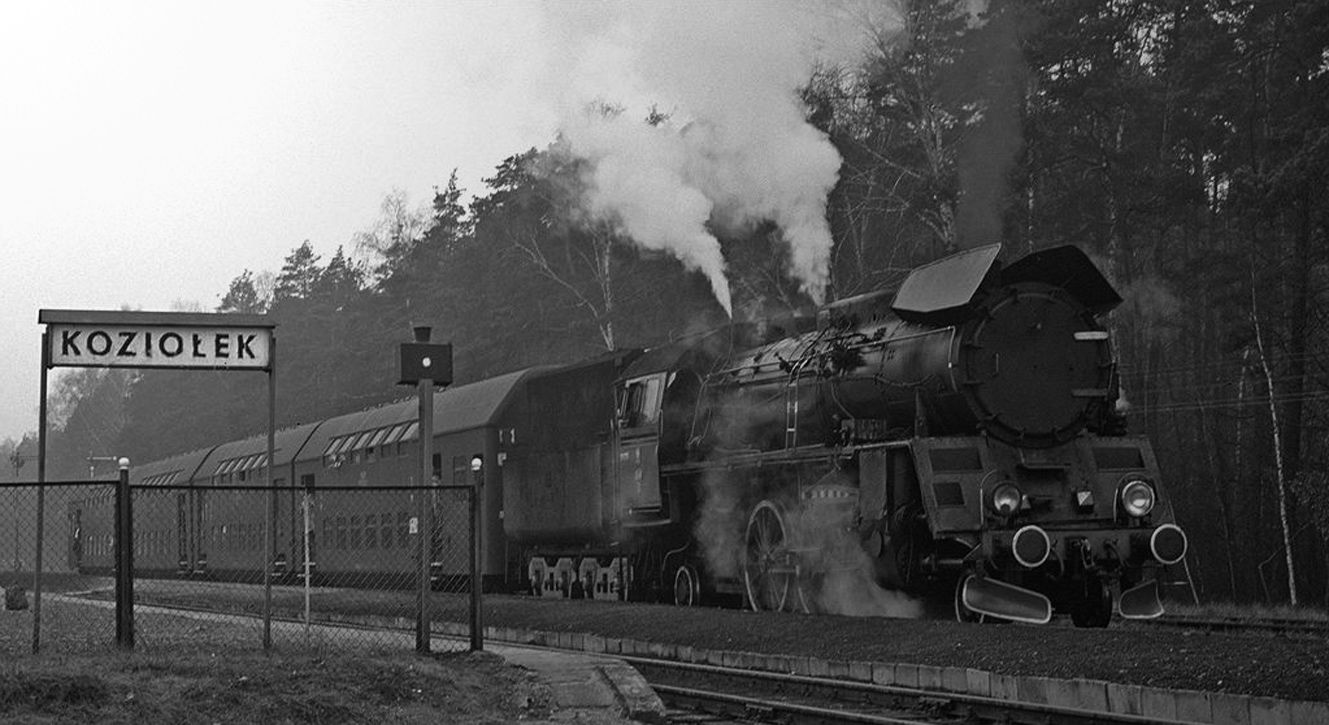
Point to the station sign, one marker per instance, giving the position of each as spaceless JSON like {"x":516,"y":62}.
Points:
{"x":157,"y":340}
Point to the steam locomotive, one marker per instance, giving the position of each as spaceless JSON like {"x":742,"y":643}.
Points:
{"x":958,"y":435}
{"x":955,"y":440}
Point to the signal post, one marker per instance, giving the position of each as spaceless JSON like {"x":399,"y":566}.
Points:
{"x":423,"y":364}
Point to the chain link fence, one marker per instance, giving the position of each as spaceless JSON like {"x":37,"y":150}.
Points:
{"x":339,"y":567}
{"x":45,"y":610}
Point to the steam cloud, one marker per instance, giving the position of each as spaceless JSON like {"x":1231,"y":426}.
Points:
{"x":839,"y":575}
{"x":735,"y":150}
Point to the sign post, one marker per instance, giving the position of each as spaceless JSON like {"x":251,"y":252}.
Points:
{"x":41,"y":502}
{"x":422,"y":365}
{"x":171,"y":340}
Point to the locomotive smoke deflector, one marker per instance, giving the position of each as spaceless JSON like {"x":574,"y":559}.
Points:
{"x":1069,"y":268}
{"x":942,"y":292}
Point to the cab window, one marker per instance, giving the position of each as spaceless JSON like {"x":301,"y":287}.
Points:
{"x":639,"y":405}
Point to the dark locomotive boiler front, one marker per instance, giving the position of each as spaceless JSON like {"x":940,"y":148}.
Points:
{"x":1043,"y":504}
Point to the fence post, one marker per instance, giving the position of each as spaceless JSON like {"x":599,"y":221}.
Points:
{"x":477,"y":490}
{"x":124,"y":559}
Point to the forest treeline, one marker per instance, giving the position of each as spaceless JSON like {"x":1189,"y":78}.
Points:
{"x":1184,"y":145}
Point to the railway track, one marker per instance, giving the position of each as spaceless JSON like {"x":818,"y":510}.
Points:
{"x":749,"y":696}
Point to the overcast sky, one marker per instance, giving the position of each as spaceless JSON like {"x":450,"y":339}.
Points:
{"x":152,"y":151}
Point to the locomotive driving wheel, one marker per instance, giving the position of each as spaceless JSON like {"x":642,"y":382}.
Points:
{"x":770,"y":567}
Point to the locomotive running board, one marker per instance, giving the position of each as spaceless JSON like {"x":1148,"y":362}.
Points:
{"x":1141,"y":602}
{"x":1007,"y":601}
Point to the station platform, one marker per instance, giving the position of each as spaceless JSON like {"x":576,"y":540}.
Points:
{"x":587,"y":688}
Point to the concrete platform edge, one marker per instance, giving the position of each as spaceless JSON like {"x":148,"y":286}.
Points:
{"x":1187,"y":706}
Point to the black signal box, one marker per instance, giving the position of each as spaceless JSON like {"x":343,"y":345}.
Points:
{"x":425,"y":361}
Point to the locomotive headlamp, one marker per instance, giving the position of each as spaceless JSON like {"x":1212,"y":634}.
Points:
{"x":477,"y":462}
{"x":1137,"y":498}
{"x":1006,"y":499}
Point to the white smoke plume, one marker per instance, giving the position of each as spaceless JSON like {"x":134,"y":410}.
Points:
{"x":735,"y":150}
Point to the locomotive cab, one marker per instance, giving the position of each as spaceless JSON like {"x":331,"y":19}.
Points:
{"x":638,"y":470}
{"x":657,"y":402}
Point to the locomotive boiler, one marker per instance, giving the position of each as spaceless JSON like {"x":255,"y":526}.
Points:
{"x":956,"y":435}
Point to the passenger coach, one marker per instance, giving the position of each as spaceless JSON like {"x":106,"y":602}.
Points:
{"x":202,"y":514}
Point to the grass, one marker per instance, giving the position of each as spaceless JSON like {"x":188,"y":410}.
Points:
{"x":190,"y":687}
{"x":191,"y":670}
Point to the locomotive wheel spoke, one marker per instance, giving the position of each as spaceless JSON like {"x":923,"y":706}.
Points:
{"x":768,"y":574}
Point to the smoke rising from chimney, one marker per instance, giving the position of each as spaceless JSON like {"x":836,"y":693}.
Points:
{"x":735,"y":149}
{"x":992,"y":73}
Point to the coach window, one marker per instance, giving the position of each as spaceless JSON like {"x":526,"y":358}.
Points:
{"x":371,"y":531}
{"x":371,"y":448}
{"x":357,"y":448}
{"x":341,"y":533}
{"x":390,"y":440}
{"x":344,"y":448}
{"x":385,"y":531}
{"x":355,"y":532}
{"x":412,"y":431}
{"x":403,"y":529}
{"x":330,"y":453}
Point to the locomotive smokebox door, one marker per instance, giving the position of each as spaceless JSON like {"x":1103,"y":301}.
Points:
{"x":425,"y":361}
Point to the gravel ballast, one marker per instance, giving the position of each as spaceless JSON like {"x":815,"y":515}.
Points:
{"x":1264,"y":665}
